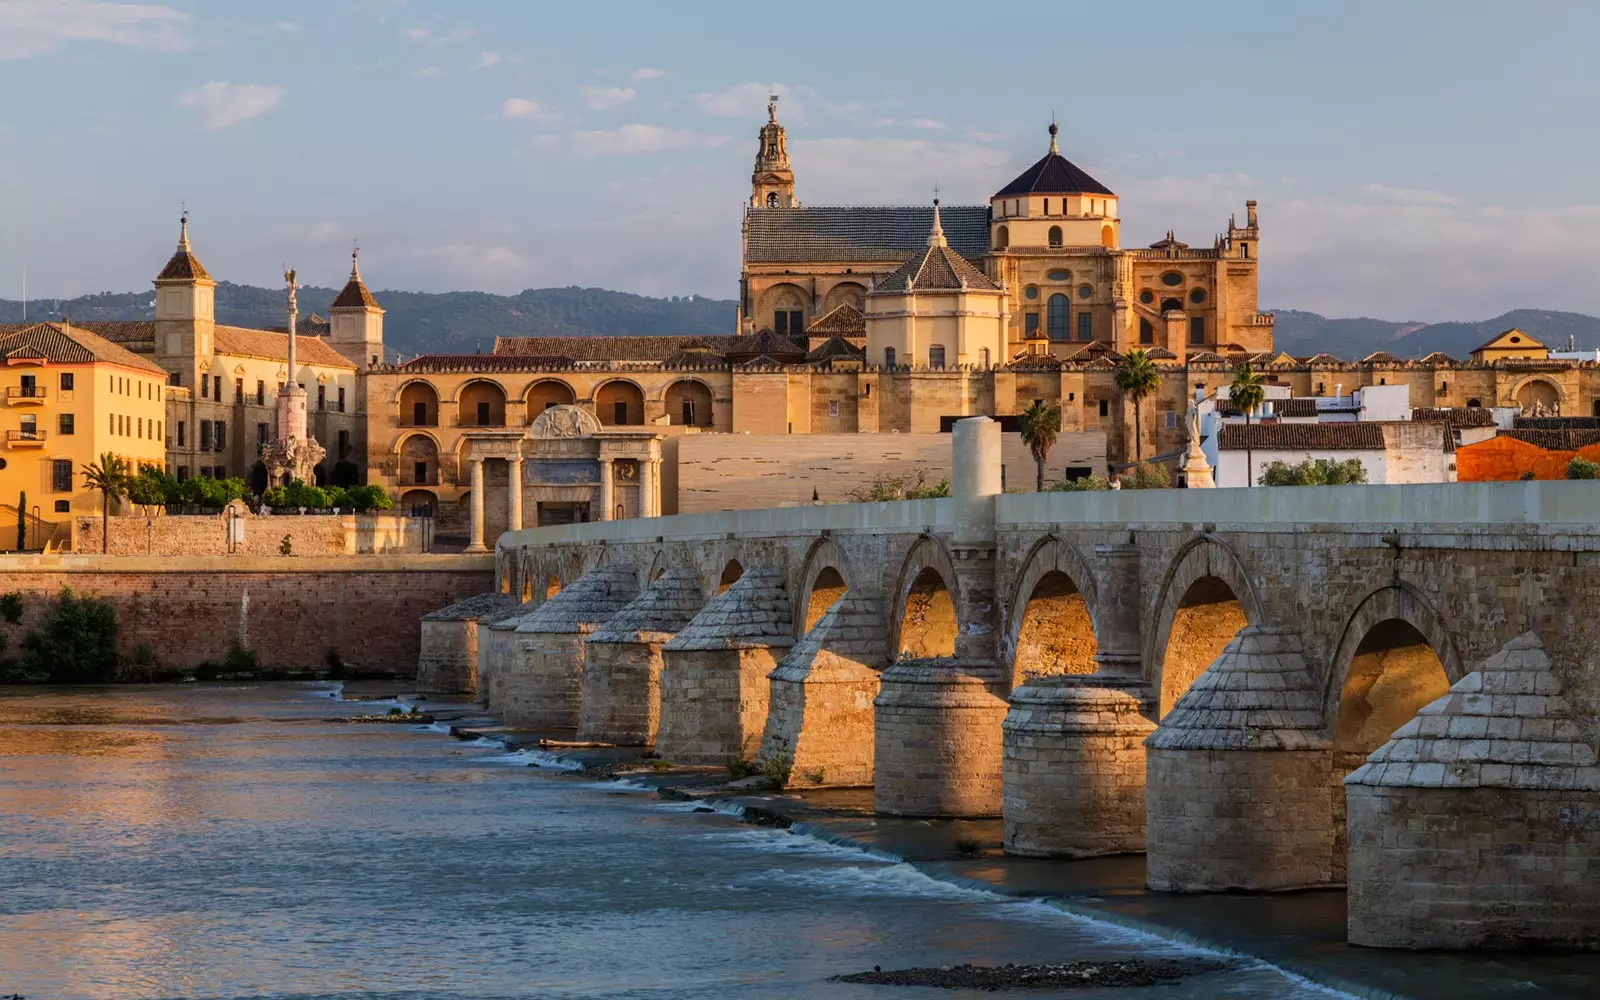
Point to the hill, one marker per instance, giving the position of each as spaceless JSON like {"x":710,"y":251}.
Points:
{"x":429,"y":323}
{"x":1302,"y":333}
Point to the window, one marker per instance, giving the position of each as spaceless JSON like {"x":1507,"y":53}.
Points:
{"x":261,"y":393}
{"x":1171,"y":305}
{"x":1086,"y":325}
{"x":341,"y":399}
{"x":1322,"y":387}
{"x":1172,"y":420}
{"x":344,"y":445}
{"x":888,"y":357}
{"x":1244,"y":250}
{"x":688,"y":413}
{"x":1031,"y":292}
{"x":180,"y":433}
{"x":1197,"y":295}
{"x":66,"y":381}
{"x":30,"y":427}
{"x":1147,"y":296}
{"x":772,"y":200}
{"x":1085,"y":292}
{"x":139,"y":425}
{"x":63,"y":506}
{"x":1047,"y":205}
{"x":1105,"y":408}
{"x":788,"y":322}
{"x":419,"y":472}
{"x":183,"y":473}
{"x":833,"y":408}
{"x":221,"y":428}
{"x":1444,"y":387}
{"x":1056,"y":317}
{"x":1197,"y":329}
{"x":238,"y":390}
{"x":1059,"y":276}
{"x":205,"y":387}
{"x":175,"y":379}
{"x":1172,"y":279}
{"x":483,"y":413}
{"x":322,"y":397}
{"x":159,"y":425}
{"x":1055,"y":236}
{"x":61,"y":475}
{"x":205,"y":435}
{"x":1002,"y":237}
{"x":1030,"y":326}
{"x":65,"y":424}
{"x":936,"y":356}
{"x":619,"y":411}
{"x":419,"y":414}
{"x":261,"y":437}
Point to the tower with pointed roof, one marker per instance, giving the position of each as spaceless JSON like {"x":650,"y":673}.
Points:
{"x":355,"y":321}
{"x":1054,"y":204}
{"x":772,"y":182}
{"x":185,"y":325}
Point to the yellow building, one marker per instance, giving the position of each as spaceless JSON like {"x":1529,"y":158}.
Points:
{"x":69,"y":397}
{"x":1510,"y":345}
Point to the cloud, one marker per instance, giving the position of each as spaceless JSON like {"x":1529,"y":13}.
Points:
{"x":521,"y":107}
{"x":223,"y":104}
{"x":898,"y":171}
{"x":927,"y":123}
{"x":644,"y":73}
{"x":426,"y":36}
{"x":487,"y":60}
{"x":1410,"y":196}
{"x":746,"y":100}
{"x":628,"y":140}
{"x":603,"y":98}
{"x":34,"y":27}
{"x":428,"y":73}
{"x":286,"y":26}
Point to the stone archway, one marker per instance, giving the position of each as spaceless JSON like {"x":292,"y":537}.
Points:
{"x":730,"y":575}
{"x":1051,"y":627}
{"x":845,"y":293}
{"x":1204,"y":599}
{"x":1538,"y":397}
{"x":823,"y":555}
{"x":925,"y":622}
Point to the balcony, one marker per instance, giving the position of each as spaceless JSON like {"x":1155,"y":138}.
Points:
{"x":27,"y":395}
{"x":26,"y":438}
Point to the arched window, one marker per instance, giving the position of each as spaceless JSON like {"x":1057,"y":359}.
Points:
{"x":1055,"y":236}
{"x":1473,"y":404}
{"x":772,"y":199}
{"x":888,"y":357}
{"x":1055,"y":322}
{"x":936,"y":356}
{"x":1002,"y":238}
{"x":1171,"y":305}
{"x":1147,"y":333}
{"x":620,"y":513}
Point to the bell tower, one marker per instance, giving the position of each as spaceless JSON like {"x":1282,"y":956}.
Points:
{"x":772,"y":183}
{"x":185,"y":313}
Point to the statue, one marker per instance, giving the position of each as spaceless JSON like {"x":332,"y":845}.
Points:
{"x":564,"y":421}
{"x":294,"y":453}
{"x":1196,"y":470}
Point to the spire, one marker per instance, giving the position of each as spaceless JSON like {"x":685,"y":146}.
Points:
{"x":772,"y":108}
{"x":183,"y":266}
{"x":183,"y":232}
{"x":355,"y":268}
{"x":1054,"y":128}
{"x":936,"y":237}
{"x":355,"y":294}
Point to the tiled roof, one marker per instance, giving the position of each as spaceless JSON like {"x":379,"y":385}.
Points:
{"x":1054,"y":174}
{"x":1342,"y":436}
{"x":62,"y":343}
{"x":183,"y":267}
{"x":1453,"y":416}
{"x":1569,"y":440}
{"x":836,"y":348}
{"x":355,"y":295}
{"x":765,"y":361}
{"x":1206,"y":358}
{"x":764,"y":343}
{"x":1303,"y":407}
{"x":1034,"y":363}
{"x":1160,"y":354}
{"x":470,"y":609}
{"x":608,"y":348}
{"x":843,"y":319}
{"x":246,"y":343}
{"x":1557,"y":423}
{"x":935,"y":268}
{"x":1382,"y":358}
{"x":1440,"y":358}
{"x":442,"y":363}
{"x":661,"y":610}
{"x":876,"y":235}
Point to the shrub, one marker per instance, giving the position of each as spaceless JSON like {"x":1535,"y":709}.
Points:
{"x":285,"y":546}
{"x":76,"y":643}
{"x":1582,"y":468}
{"x":152,"y":487}
{"x":1085,"y":484}
{"x":11,"y":607}
{"x":239,"y":660}
{"x":302,"y":495}
{"x":338,"y":496}
{"x":1146,"y":476}
{"x":1526,"y":477}
{"x":369,"y":498}
{"x":277,"y":498}
{"x":1315,"y":472}
{"x":885,"y":487}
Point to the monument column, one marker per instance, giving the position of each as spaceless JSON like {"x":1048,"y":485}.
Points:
{"x":607,"y":491}
{"x":476,"y":543}
{"x":514,"y":475}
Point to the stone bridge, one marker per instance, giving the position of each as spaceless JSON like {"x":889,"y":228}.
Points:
{"x":1188,"y":673}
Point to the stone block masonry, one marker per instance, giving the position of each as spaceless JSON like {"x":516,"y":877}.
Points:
{"x":207,"y":535}
{"x":290,"y":611}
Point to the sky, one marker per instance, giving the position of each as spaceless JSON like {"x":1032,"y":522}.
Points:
{"x":1413,"y":160}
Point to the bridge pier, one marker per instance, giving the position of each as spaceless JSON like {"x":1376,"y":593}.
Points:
{"x":714,"y":688}
{"x":622,"y":661}
{"x":542,"y":686}
{"x":1239,"y":791}
{"x":937,"y":730}
{"x":820,"y":719}
{"x":448,"y":660}
{"x":1474,"y":826}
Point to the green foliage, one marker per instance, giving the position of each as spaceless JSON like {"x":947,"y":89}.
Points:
{"x":369,"y":498}
{"x":1138,"y":377}
{"x":1527,"y":476}
{"x":886,"y":487}
{"x":1582,"y":468}
{"x":239,"y":660}
{"x":22,"y":520}
{"x":1083,"y":485}
{"x":152,"y":487}
{"x":212,"y":494}
{"x":1247,"y":392}
{"x":1315,"y":472}
{"x":11,"y":607}
{"x":774,"y":770}
{"x":1146,"y":476}
{"x":296,"y":494}
{"x":1040,"y":425}
{"x":285,"y":547}
{"x":75,"y":644}
{"x":337,"y":496}
{"x":396,"y":711}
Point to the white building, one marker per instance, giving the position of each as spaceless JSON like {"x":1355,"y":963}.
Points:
{"x":1391,"y":451}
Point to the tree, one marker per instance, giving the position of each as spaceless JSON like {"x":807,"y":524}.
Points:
{"x":1041,"y":425}
{"x":1147,"y":477}
{"x":152,"y":487}
{"x":1138,"y":377}
{"x":1582,"y":468}
{"x":1247,"y":394}
{"x":110,"y":478}
{"x":1315,"y":472}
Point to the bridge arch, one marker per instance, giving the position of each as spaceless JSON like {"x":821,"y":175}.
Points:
{"x":927,"y":595}
{"x":732,"y":570}
{"x":1204,"y":599}
{"x":1393,"y":618}
{"x":824,"y":577}
{"x":1051,"y":627}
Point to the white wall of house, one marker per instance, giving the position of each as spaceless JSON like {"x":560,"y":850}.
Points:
{"x":1232,"y":470}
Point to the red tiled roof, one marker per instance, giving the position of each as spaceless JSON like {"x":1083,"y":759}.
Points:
{"x":609,"y":348}
{"x":63,"y":343}
{"x":1343,"y":436}
{"x":246,"y":343}
{"x":1453,"y":416}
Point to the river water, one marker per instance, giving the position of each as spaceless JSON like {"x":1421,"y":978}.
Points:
{"x":233,"y":841}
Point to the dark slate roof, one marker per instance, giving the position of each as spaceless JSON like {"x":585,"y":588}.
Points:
{"x":1555,"y":440}
{"x":844,"y":319}
{"x":850,"y":233}
{"x":1294,"y":407}
{"x":1454,"y":416}
{"x":935,"y":268}
{"x":766,"y":343}
{"x":608,"y":348}
{"x":1557,"y":423}
{"x":470,"y":609}
{"x":836,"y":348}
{"x":1054,"y":174}
{"x":1344,"y":436}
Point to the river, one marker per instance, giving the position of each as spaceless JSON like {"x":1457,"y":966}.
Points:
{"x":237,"y":841}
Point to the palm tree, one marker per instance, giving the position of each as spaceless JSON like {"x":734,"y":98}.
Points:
{"x":1040,"y":425}
{"x":1247,"y":394}
{"x":110,"y":478}
{"x":1138,"y":377}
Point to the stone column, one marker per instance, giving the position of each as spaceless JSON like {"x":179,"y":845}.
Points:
{"x":649,"y":485}
{"x":1119,"y":641}
{"x":514,"y":475}
{"x":476,"y":543}
{"x":608,"y":491}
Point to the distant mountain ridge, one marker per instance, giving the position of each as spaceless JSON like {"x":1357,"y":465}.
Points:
{"x":465,"y":322}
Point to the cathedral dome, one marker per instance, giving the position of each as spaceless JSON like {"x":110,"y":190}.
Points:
{"x":1054,"y":174}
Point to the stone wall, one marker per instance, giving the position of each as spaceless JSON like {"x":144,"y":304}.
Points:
{"x":207,"y":535}
{"x":292,"y":611}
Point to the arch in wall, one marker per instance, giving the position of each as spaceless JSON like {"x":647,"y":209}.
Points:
{"x":1108,"y":237}
{"x":730,"y":575}
{"x":1054,"y":236}
{"x":817,"y":591}
{"x":545,"y":393}
{"x":925,"y":620}
{"x":688,"y":402}
{"x":416,"y":501}
{"x":845,"y":293}
{"x":1541,"y":391}
{"x":619,"y":402}
{"x":1002,"y":237}
{"x":1050,"y":627}
{"x":1204,"y":599}
{"x":417,"y":457}
{"x":481,"y":402}
{"x":1365,"y":633}
{"x":418,"y":404}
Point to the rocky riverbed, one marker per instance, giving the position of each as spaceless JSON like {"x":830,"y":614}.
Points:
{"x":1070,"y":975}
